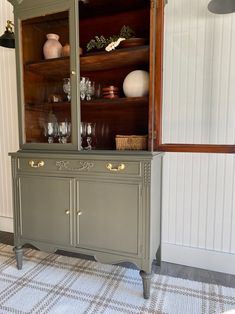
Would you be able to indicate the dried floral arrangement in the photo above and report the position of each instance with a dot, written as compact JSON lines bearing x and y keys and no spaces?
{"x":100,"y":42}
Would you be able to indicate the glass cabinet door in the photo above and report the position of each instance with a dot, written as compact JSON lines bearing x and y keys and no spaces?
{"x":76,"y":90}
{"x":115,"y":67}
{"x":47,"y":96}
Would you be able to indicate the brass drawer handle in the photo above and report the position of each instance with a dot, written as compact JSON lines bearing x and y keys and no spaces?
{"x":115,"y":169}
{"x":36,"y":164}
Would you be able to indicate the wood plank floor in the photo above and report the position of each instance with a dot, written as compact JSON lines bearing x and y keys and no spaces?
{"x":168,"y":269}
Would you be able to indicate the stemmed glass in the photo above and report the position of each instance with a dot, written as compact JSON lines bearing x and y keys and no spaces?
{"x":90,"y":90}
{"x":64,"y":131}
{"x":51,"y":131}
{"x":88,"y":138}
{"x":83,"y":87}
{"x":89,"y":134}
{"x":67,"y":87}
{"x":83,"y":134}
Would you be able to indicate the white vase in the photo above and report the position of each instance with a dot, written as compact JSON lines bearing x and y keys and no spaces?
{"x":136,"y":84}
{"x":52,"y":47}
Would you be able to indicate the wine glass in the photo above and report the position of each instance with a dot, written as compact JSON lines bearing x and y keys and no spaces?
{"x":83,"y":134}
{"x":67,"y":87}
{"x":64,"y":131}
{"x":51,"y":131}
{"x":90,"y":135}
{"x":83,"y":87}
{"x":90,"y":90}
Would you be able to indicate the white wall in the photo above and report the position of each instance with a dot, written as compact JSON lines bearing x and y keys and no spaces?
{"x":199,"y":107}
{"x":199,"y":210}
{"x":198,"y":189}
{"x":8,"y":120}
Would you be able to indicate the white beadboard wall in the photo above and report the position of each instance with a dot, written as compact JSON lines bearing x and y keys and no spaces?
{"x":8,"y":120}
{"x":199,"y":107}
{"x":198,"y":227}
{"x":199,"y":210}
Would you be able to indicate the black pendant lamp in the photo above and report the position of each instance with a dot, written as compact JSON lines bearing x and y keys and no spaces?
{"x":8,"y":38}
{"x":221,"y":6}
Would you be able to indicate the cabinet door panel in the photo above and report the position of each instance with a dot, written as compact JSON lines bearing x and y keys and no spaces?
{"x":110,"y":214}
{"x":45,"y":209}
{"x":47,"y":102}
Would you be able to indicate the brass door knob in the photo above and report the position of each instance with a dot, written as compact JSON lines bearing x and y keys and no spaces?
{"x":67,"y":212}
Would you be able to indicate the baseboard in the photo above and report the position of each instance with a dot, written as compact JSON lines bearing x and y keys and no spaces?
{"x":6,"y":224}
{"x":199,"y":258}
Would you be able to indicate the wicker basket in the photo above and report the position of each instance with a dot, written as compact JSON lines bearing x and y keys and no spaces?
{"x":131,"y":142}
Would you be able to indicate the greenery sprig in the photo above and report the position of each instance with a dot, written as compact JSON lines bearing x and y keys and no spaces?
{"x":100,"y":42}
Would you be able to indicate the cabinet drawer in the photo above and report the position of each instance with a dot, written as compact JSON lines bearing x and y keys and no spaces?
{"x":110,"y":167}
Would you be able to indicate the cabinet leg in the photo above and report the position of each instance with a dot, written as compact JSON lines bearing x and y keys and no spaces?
{"x":158,"y":257}
{"x":19,"y":256}
{"x":146,"y":278}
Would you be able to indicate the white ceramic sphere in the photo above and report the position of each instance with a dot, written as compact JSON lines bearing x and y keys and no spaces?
{"x":136,"y":84}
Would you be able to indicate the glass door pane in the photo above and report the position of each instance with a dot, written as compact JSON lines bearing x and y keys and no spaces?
{"x":119,"y":118}
{"x":46,"y":75}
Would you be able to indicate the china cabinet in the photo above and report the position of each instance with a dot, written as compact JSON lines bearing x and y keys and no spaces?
{"x":74,"y":188}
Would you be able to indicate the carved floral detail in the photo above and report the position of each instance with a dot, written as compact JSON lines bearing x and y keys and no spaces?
{"x":65,"y":165}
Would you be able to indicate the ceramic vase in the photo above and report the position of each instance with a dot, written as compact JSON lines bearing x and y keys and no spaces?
{"x":52,"y":47}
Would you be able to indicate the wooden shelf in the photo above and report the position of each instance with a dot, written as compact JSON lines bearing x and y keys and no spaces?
{"x":58,"y":67}
{"x":92,"y":62}
{"x":115,"y":59}
{"x":116,"y":102}
{"x":49,"y":106}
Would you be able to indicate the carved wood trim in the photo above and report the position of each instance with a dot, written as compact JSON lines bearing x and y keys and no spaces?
{"x":65,"y":165}
{"x":147,"y":173}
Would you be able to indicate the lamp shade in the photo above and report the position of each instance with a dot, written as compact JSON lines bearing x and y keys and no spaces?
{"x":8,"y":38}
{"x":221,"y":6}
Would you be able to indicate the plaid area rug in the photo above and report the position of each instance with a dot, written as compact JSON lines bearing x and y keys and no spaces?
{"x":51,"y":283}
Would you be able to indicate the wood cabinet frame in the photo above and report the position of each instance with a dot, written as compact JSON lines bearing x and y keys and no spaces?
{"x":174,"y":147}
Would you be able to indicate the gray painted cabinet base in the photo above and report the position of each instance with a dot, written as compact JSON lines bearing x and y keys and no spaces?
{"x":79,"y":203}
